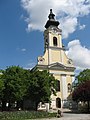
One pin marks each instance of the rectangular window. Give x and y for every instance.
(57, 85)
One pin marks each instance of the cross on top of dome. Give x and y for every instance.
(51, 15)
(51, 21)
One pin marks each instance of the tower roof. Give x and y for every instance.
(51, 20)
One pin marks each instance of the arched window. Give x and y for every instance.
(58, 102)
(54, 41)
(69, 87)
(57, 85)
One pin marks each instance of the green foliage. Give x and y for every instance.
(18, 84)
(15, 83)
(24, 115)
(84, 76)
(1, 86)
(40, 86)
(82, 90)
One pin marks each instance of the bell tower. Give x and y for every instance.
(52, 39)
(56, 62)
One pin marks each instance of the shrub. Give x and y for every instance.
(23, 115)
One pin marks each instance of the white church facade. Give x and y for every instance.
(56, 62)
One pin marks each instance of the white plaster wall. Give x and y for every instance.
(53, 104)
(64, 87)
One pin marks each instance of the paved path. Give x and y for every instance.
(68, 116)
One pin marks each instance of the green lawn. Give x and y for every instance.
(23, 115)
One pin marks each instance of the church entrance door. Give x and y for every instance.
(58, 102)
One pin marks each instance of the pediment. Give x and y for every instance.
(59, 66)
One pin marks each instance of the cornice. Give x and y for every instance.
(56, 48)
(55, 66)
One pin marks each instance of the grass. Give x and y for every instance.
(25, 115)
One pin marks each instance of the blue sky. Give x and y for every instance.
(17, 46)
(22, 24)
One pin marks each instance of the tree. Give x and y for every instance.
(41, 85)
(20, 84)
(82, 90)
(84, 76)
(1, 86)
(15, 83)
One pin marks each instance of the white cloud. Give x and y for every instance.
(81, 27)
(23, 49)
(69, 26)
(30, 65)
(67, 12)
(79, 54)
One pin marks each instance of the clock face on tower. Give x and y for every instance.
(55, 30)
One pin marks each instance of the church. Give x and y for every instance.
(57, 63)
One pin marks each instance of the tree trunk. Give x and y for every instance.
(9, 106)
(3, 105)
(36, 106)
(88, 105)
(19, 105)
